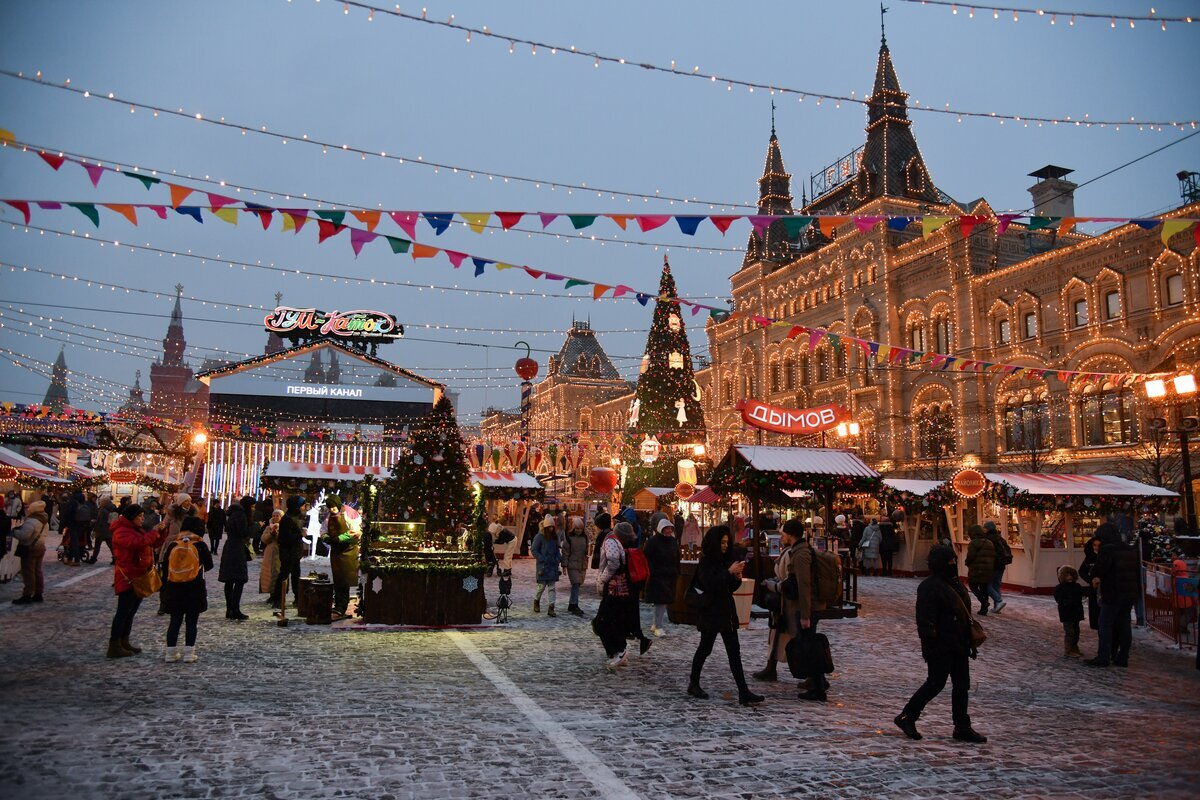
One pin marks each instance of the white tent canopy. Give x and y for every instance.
(1094, 485)
(811, 460)
(505, 480)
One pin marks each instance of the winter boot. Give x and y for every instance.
(537, 606)
(747, 697)
(1074, 652)
(116, 650)
(172, 654)
(125, 643)
(550, 611)
(189, 655)
(576, 610)
(767, 673)
(968, 734)
(23, 600)
(37, 598)
(695, 691)
(908, 725)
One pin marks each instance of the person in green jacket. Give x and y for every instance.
(343, 554)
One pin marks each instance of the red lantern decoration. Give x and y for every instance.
(602, 479)
(526, 367)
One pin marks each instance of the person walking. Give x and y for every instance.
(233, 572)
(106, 515)
(662, 556)
(269, 547)
(1116, 577)
(185, 595)
(603, 521)
(548, 562)
(889, 543)
(575, 556)
(718, 577)
(944, 627)
(869, 545)
(31, 541)
(82, 515)
(1091, 551)
(624, 533)
(216, 526)
(1004, 557)
(133, 556)
(785, 622)
(291, 549)
(611, 620)
(981, 565)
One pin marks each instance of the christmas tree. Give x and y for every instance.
(667, 405)
(430, 480)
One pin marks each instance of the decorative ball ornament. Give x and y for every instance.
(526, 367)
(649, 449)
(602, 479)
(684, 490)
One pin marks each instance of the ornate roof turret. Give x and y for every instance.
(274, 343)
(582, 356)
(56, 394)
(774, 197)
(174, 344)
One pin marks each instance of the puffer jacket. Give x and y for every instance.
(943, 618)
(1119, 570)
(133, 552)
(545, 551)
(980, 560)
(575, 554)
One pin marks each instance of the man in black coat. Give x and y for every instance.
(944, 625)
(216, 525)
(603, 522)
(291, 547)
(1116, 574)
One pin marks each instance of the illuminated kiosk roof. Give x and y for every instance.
(299, 470)
(207, 376)
(505, 480)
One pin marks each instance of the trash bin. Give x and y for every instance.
(743, 598)
(319, 602)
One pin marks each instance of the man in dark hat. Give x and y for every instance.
(291, 547)
(603, 522)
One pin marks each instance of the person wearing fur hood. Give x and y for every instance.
(31, 536)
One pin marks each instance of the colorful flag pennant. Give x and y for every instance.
(900, 223)
(688, 224)
(218, 201)
(190, 211)
(796, 331)
(508, 219)
(718, 315)
(368, 218)
(619, 290)
(930, 223)
(54, 161)
(262, 212)
(598, 290)
(147, 180)
(124, 210)
(359, 237)
(865, 224)
(89, 211)
(476, 221)
(1145, 224)
(575, 282)
(828, 224)
(456, 258)
(178, 194)
(423, 251)
(722, 223)
(407, 220)
(326, 229)
(643, 298)
(533, 273)
(581, 221)
(1004, 220)
(294, 218)
(480, 264)
(1170, 227)
(814, 339)
(20, 205)
(438, 220)
(161, 211)
(760, 222)
(229, 215)
(648, 222)
(621, 219)
(1040, 223)
(397, 244)
(967, 223)
(796, 225)
(49, 205)
(547, 219)
(94, 172)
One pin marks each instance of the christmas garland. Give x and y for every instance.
(747, 481)
(1009, 496)
(454, 567)
(82, 484)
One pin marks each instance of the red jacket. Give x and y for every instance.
(133, 550)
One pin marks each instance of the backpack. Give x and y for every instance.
(1004, 555)
(639, 568)
(183, 565)
(826, 577)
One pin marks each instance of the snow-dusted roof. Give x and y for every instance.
(505, 480)
(809, 460)
(919, 488)
(14, 459)
(1095, 485)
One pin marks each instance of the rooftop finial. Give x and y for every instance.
(278, 298)
(882, 32)
(772, 116)
(178, 289)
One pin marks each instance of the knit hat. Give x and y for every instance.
(548, 521)
(295, 503)
(36, 507)
(182, 497)
(131, 511)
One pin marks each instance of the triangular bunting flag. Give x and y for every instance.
(20, 205)
(764, 322)
(688, 224)
(1067, 223)
(509, 218)
(1170, 227)
(760, 222)
(716, 314)
(967, 223)
(326, 229)
(865, 224)
(575, 282)
(476, 221)
(1003, 221)
(218, 201)
(722, 223)
(368, 218)
(397, 244)
(814, 338)
(407, 220)
(930, 223)
(648, 222)
(643, 298)
(89, 211)
(147, 180)
(1040, 223)
(423, 251)
(547, 219)
(598, 290)
(620, 289)
(94, 172)
(533, 273)
(480, 264)
(900, 223)
(336, 217)
(550, 276)
(294, 218)
(229, 215)
(581, 221)
(161, 211)
(178, 194)
(359, 237)
(796, 225)
(262, 212)
(190, 211)
(828, 224)
(501, 266)
(54, 161)
(621, 219)
(439, 221)
(124, 210)
(49, 205)
(796, 331)
(1145, 224)
(456, 258)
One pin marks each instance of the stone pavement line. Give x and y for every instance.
(68, 582)
(592, 768)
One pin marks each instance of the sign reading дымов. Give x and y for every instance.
(792, 420)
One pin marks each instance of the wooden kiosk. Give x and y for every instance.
(506, 497)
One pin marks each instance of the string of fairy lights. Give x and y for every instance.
(730, 83)
(1051, 15)
(117, 166)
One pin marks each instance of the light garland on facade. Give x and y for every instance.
(730, 83)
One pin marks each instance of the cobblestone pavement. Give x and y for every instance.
(307, 712)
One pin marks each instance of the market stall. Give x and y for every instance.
(919, 529)
(505, 497)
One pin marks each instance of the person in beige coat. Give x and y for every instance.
(269, 541)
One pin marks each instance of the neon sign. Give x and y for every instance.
(312, 323)
(799, 421)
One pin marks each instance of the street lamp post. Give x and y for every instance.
(1184, 386)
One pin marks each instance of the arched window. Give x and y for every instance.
(822, 365)
(935, 431)
(774, 378)
(941, 333)
(916, 334)
(789, 374)
(802, 370)
(1027, 422)
(1106, 416)
(839, 363)
(1174, 289)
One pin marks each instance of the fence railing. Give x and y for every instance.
(1172, 597)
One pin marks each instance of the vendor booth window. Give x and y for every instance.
(1054, 531)
(1107, 417)
(1082, 529)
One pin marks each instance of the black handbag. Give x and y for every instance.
(808, 654)
(772, 601)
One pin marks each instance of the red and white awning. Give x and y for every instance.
(505, 480)
(300, 470)
(807, 460)
(55, 455)
(11, 458)
(1094, 485)
(704, 494)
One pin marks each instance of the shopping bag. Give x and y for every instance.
(10, 567)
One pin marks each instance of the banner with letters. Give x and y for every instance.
(796, 421)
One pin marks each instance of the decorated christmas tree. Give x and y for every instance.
(430, 483)
(667, 405)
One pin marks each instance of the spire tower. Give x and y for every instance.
(774, 197)
(56, 394)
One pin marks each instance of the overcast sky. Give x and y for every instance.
(416, 90)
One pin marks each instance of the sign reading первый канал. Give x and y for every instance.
(313, 323)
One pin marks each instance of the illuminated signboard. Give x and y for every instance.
(313, 323)
(803, 421)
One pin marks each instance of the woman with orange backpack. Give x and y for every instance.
(184, 593)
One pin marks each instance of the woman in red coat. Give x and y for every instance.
(133, 556)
